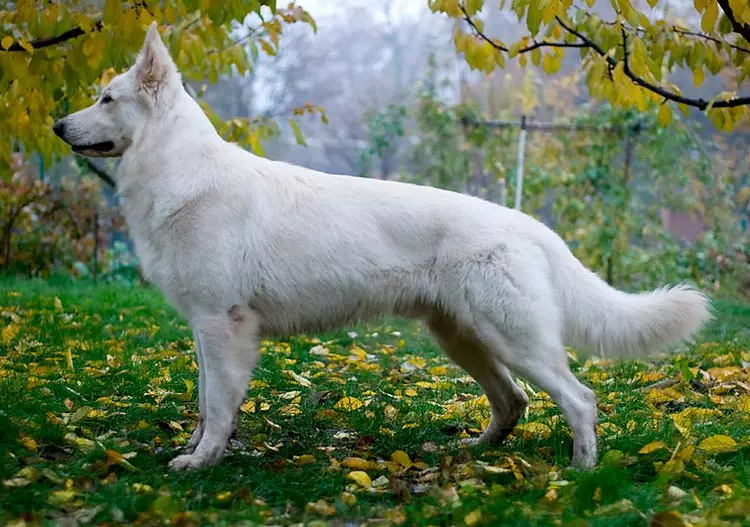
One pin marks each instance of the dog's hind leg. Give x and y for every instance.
(507, 400)
(540, 357)
(229, 350)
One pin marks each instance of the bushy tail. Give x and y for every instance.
(612, 323)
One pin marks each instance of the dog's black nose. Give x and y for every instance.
(58, 128)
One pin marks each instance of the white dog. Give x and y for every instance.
(245, 247)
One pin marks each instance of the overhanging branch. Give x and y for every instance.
(70, 34)
(101, 173)
(586, 42)
(532, 47)
(701, 104)
(739, 27)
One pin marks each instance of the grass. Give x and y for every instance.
(97, 393)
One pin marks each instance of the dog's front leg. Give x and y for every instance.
(229, 345)
(198, 432)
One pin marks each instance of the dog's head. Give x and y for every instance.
(107, 127)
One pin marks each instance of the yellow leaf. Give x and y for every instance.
(473, 517)
(717, 444)
(438, 370)
(530, 430)
(698, 76)
(652, 447)
(290, 409)
(80, 442)
(248, 407)
(548, 64)
(58, 305)
(360, 477)
(411, 392)
(29, 443)
(116, 458)
(348, 403)
(25, 45)
(61, 497)
(224, 496)
(112, 12)
(700, 5)
(743, 404)
(710, 16)
(357, 462)
(304, 459)
(80, 414)
(9, 332)
(6, 42)
(402, 458)
(665, 115)
(667, 519)
(299, 378)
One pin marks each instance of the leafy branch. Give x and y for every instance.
(701, 104)
(585, 42)
(739, 27)
(532, 47)
(70, 34)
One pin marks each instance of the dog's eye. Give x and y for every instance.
(106, 99)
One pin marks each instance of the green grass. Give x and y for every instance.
(107, 370)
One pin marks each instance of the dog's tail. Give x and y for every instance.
(612, 323)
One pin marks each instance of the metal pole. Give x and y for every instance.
(519, 167)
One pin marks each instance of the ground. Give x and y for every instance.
(98, 392)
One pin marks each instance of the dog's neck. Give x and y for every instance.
(178, 125)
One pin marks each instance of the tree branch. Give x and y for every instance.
(534, 46)
(701, 104)
(70, 34)
(706, 37)
(101, 173)
(739, 27)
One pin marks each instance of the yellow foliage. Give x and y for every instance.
(626, 66)
(40, 81)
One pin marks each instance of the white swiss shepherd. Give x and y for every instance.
(245, 247)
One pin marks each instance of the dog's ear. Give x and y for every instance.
(154, 66)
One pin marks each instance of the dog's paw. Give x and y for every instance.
(190, 462)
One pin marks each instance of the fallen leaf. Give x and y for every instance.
(402, 458)
(717, 444)
(529, 431)
(473, 517)
(299, 378)
(59, 498)
(116, 458)
(667, 519)
(224, 496)
(348, 403)
(29, 443)
(360, 477)
(80, 414)
(58, 305)
(357, 462)
(304, 459)
(652, 447)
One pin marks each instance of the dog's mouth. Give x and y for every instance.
(95, 148)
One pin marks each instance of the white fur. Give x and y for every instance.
(246, 247)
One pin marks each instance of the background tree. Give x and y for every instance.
(628, 52)
(54, 57)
